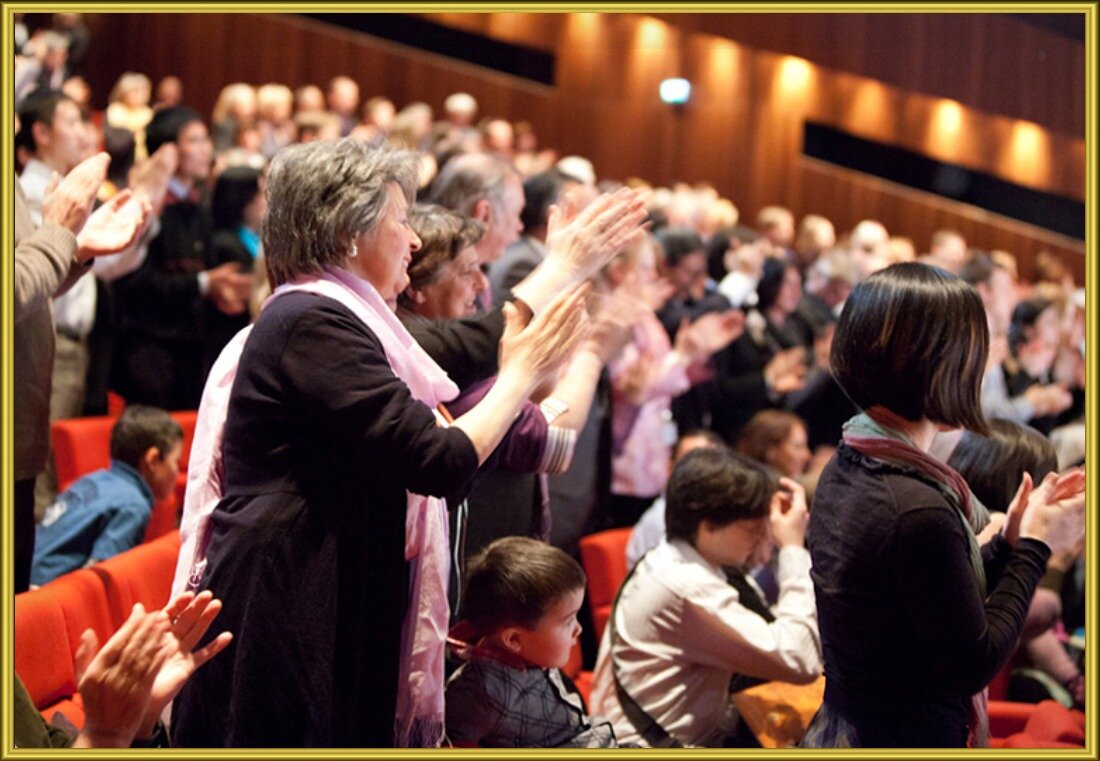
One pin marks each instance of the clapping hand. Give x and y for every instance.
(709, 333)
(115, 682)
(67, 202)
(1053, 512)
(114, 226)
(190, 617)
(583, 241)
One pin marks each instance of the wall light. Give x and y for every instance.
(675, 91)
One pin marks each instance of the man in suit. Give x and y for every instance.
(522, 256)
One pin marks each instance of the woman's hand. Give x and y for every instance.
(1053, 512)
(540, 348)
(581, 242)
(68, 201)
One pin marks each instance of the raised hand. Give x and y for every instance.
(709, 333)
(115, 682)
(190, 617)
(581, 242)
(114, 226)
(1053, 512)
(229, 288)
(149, 180)
(68, 201)
(789, 514)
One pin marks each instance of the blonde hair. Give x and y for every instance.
(130, 80)
(230, 96)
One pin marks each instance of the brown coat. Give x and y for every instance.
(45, 266)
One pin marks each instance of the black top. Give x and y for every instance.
(466, 349)
(906, 634)
(307, 548)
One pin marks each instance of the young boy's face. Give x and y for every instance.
(162, 471)
(548, 644)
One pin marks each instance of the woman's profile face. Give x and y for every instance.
(386, 251)
(793, 455)
(454, 293)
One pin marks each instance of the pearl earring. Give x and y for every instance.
(354, 249)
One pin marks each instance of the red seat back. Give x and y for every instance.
(603, 556)
(83, 601)
(143, 574)
(80, 445)
(42, 657)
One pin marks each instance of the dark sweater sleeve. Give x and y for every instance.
(962, 641)
(466, 349)
(995, 556)
(337, 369)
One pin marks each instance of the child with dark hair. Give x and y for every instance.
(106, 512)
(519, 624)
(680, 630)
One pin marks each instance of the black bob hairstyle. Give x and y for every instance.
(914, 339)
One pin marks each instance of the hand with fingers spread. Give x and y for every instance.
(114, 226)
(115, 683)
(190, 617)
(1052, 512)
(580, 242)
(68, 201)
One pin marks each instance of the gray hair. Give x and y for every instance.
(321, 195)
(466, 179)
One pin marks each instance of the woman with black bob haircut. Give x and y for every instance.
(915, 618)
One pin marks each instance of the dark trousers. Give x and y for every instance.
(24, 533)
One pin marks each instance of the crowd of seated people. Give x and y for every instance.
(366, 304)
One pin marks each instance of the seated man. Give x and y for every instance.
(106, 512)
(679, 631)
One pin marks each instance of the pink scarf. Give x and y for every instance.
(419, 715)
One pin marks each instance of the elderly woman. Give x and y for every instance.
(332, 567)
(316, 465)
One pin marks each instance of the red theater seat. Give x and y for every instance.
(603, 556)
(143, 574)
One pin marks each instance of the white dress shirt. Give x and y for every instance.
(683, 633)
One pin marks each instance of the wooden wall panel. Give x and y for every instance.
(741, 132)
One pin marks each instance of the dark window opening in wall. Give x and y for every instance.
(507, 58)
(1047, 210)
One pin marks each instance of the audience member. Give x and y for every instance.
(338, 426)
(169, 93)
(519, 623)
(649, 531)
(679, 631)
(129, 109)
(47, 260)
(342, 99)
(106, 512)
(163, 306)
(815, 236)
(893, 531)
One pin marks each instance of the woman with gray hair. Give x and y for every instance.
(331, 565)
